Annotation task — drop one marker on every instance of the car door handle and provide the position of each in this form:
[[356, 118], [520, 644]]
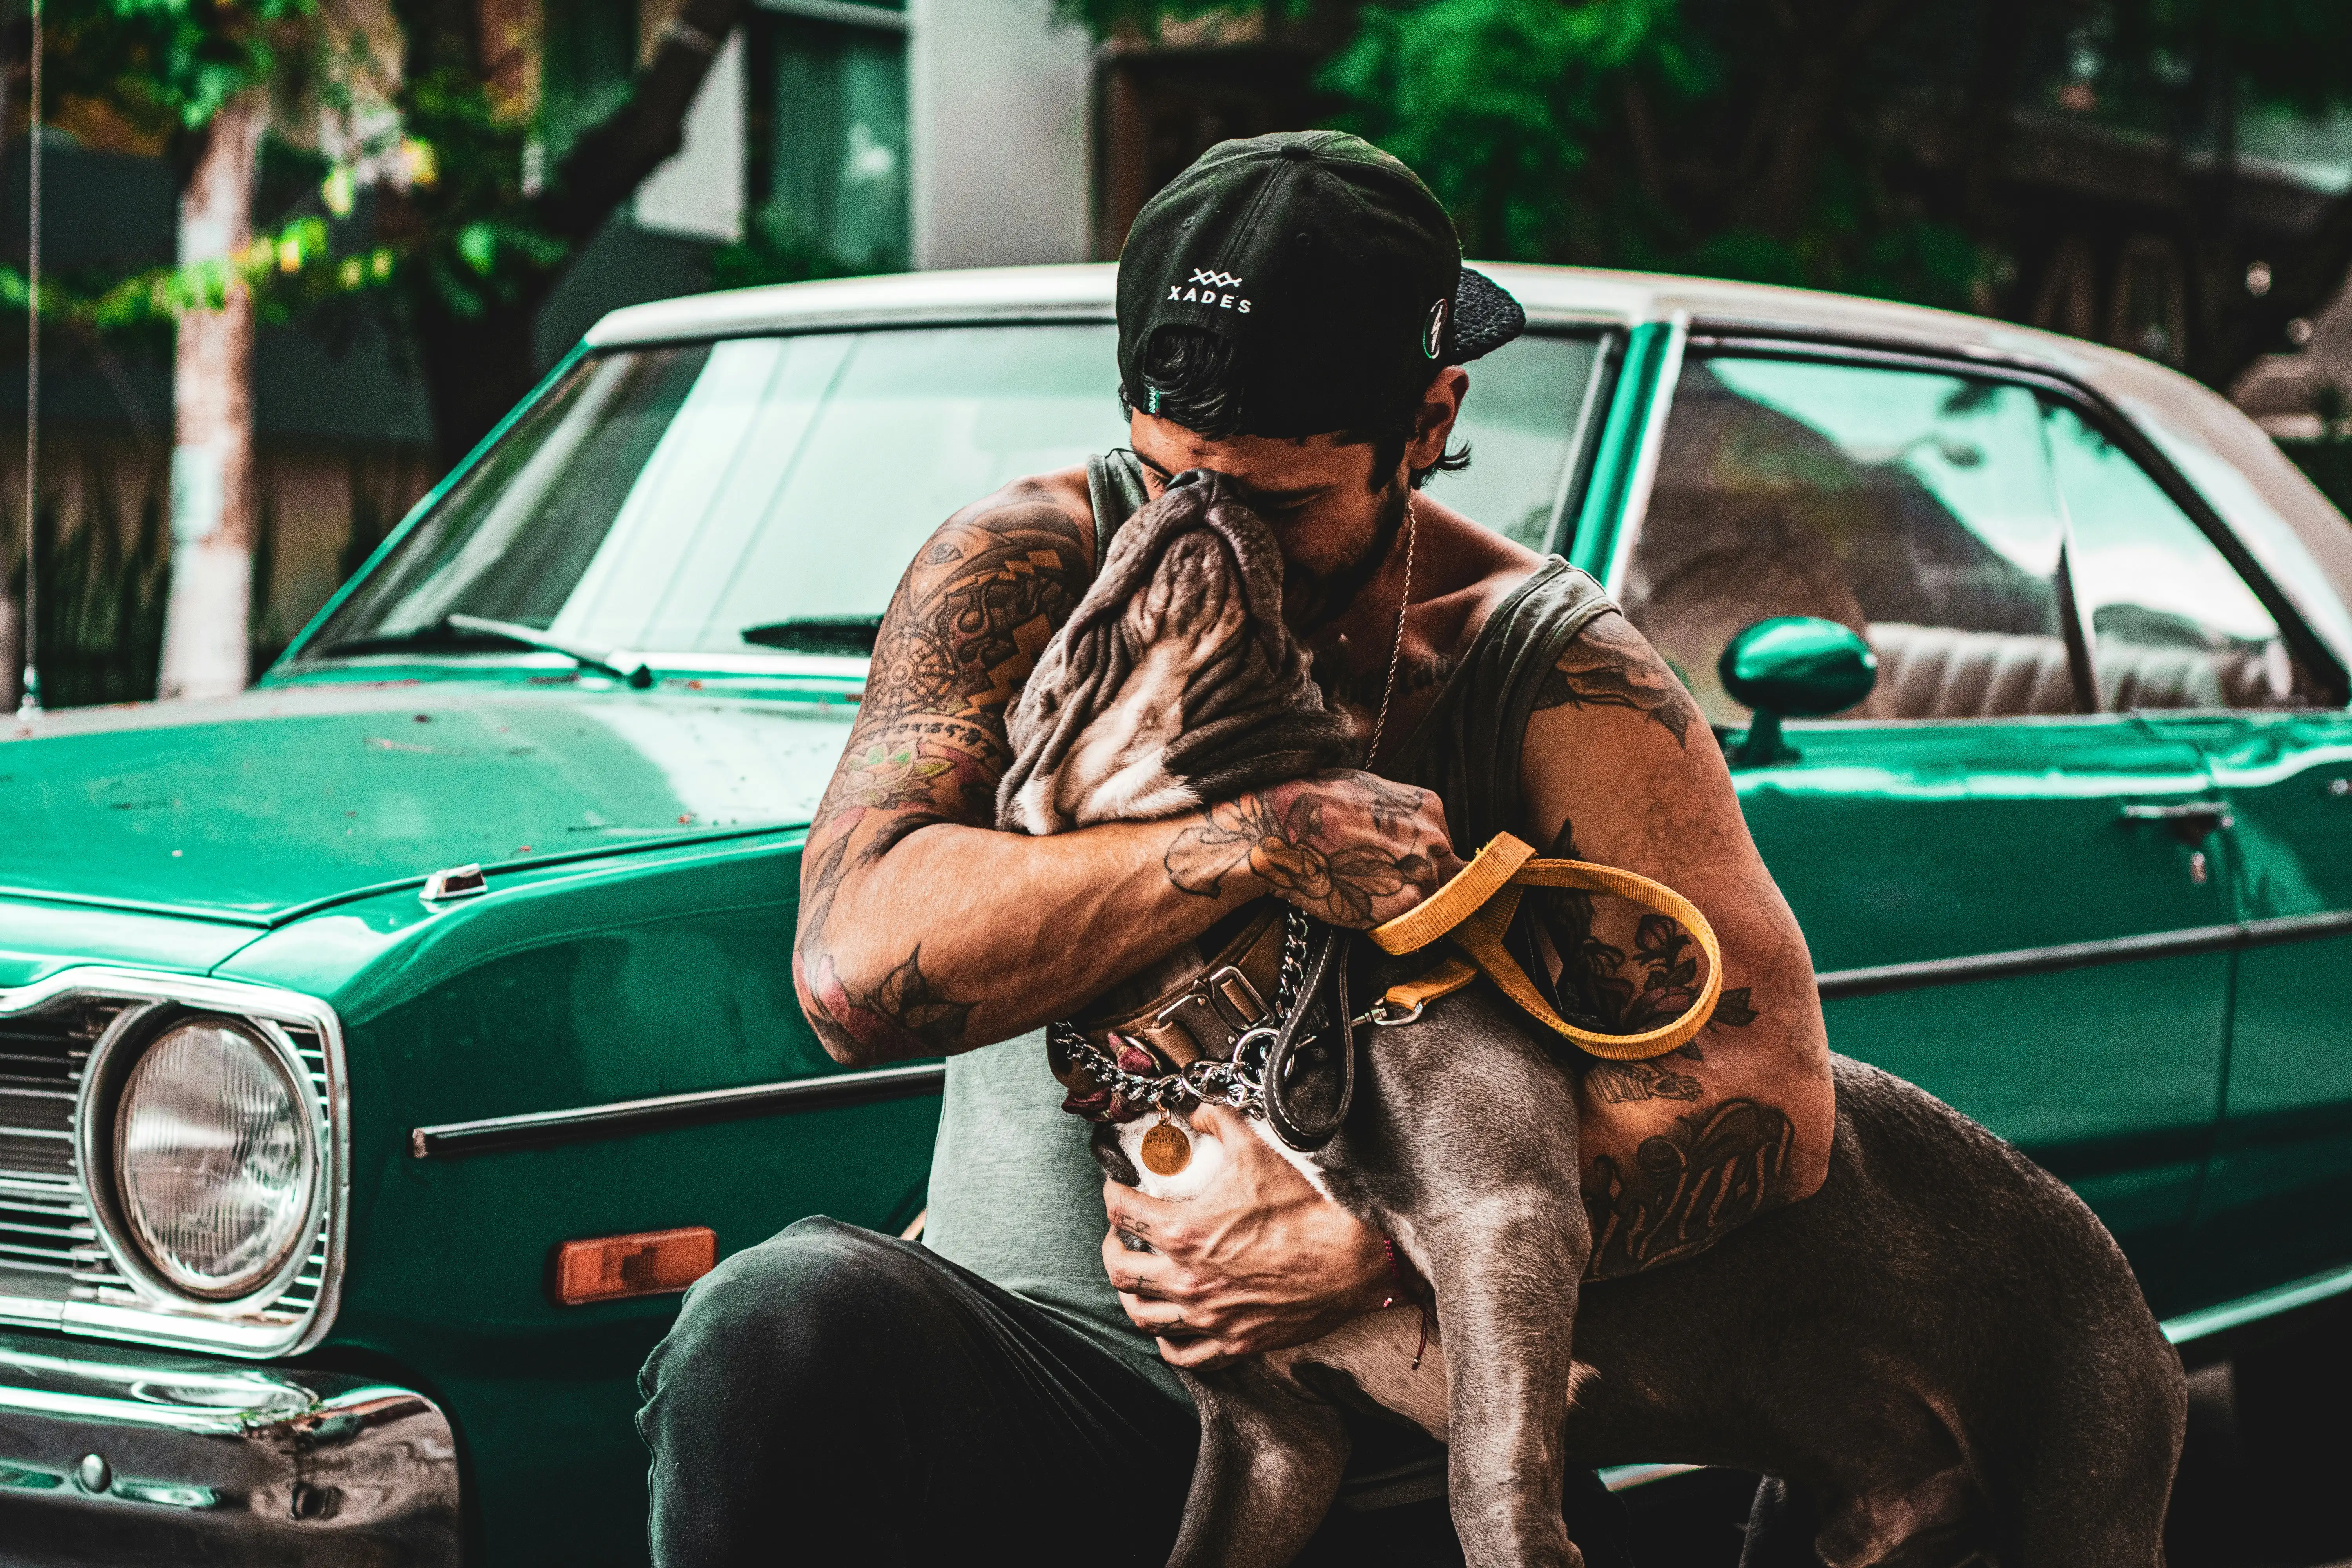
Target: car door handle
[[2192, 822]]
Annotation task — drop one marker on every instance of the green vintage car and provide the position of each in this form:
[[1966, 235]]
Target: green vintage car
[[381, 1050]]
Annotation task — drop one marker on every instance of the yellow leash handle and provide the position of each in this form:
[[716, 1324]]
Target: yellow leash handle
[[1475, 908]]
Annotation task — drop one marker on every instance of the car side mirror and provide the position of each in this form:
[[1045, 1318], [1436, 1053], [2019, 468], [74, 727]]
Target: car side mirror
[[1792, 667]]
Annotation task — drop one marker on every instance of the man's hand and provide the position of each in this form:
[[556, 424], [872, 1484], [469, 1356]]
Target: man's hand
[[1348, 847], [1258, 1261]]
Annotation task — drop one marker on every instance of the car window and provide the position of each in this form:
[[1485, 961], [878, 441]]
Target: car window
[[2172, 623], [668, 498], [1521, 411], [1917, 507]]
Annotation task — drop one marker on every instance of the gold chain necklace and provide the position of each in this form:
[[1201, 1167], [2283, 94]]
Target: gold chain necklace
[[1396, 647]]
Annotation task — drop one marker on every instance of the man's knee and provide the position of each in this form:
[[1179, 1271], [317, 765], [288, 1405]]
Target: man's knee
[[776, 1318]]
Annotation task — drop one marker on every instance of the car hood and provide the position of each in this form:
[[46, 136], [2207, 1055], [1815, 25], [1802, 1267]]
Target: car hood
[[250, 808]]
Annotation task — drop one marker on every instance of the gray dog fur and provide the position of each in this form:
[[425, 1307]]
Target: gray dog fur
[[1940, 1358]]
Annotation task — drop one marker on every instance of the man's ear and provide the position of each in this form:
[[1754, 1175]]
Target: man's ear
[[1441, 405]]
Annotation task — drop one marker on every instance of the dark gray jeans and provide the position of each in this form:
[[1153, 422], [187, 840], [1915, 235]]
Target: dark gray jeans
[[833, 1395]]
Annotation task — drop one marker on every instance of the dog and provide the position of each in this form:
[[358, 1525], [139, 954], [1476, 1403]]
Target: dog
[[1940, 1358]]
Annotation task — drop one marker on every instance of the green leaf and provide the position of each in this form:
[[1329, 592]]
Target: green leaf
[[477, 246]]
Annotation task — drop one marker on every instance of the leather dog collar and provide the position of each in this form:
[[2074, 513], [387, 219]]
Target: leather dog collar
[[1203, 1017]]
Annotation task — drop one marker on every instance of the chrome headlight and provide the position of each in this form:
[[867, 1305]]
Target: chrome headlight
[[215, 1158]]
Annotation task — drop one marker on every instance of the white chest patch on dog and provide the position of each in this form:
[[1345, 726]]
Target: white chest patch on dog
[[1207, 1163]]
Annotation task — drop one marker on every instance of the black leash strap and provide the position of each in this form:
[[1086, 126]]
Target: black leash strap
[[1325, 961]]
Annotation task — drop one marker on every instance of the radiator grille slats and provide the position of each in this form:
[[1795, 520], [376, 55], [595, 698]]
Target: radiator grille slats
[[40, 1194]]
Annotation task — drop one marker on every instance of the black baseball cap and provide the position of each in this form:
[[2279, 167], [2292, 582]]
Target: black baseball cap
[[1330, 268]]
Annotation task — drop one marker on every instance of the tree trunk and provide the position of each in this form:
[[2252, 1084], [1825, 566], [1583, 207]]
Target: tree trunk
[[1777, 200], [205, 617]]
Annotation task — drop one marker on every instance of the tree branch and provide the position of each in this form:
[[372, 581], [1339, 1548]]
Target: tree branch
[[607, 165]]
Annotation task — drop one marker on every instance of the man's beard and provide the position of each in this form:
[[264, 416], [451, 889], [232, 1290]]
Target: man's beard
[[1313, 600]]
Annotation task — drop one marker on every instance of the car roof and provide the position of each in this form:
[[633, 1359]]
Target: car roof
[[2182, 414], [1552, 295]]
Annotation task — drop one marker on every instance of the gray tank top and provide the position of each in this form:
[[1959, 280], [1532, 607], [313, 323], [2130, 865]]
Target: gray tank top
[[1015, 1196]]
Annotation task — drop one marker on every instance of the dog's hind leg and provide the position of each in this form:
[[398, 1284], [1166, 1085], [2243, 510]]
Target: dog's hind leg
[[1270, 1462], [1782, 1527], [2086, 1480]]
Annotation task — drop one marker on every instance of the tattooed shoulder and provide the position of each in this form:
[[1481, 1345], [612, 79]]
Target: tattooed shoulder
[[1610, 664], [971, 613]]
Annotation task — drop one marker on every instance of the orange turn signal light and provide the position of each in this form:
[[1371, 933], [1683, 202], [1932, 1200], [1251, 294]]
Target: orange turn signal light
[[647, 1263]]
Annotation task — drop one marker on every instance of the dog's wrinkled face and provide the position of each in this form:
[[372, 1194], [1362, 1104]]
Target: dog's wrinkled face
[[1184, 623], [1176, 681]]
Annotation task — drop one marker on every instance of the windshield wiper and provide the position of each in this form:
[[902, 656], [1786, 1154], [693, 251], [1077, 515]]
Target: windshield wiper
[[454, 629], [817, 634]]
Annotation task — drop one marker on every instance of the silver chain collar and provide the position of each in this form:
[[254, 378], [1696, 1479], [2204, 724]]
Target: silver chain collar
[[1238, 1084]]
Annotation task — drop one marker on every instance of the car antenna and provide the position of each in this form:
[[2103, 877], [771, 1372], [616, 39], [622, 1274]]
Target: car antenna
[[30, 702]]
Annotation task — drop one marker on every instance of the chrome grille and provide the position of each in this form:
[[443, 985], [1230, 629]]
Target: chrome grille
[[44, 1220], [54, 1269]]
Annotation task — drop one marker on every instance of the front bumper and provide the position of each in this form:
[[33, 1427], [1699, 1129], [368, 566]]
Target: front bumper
[[123, 1457]]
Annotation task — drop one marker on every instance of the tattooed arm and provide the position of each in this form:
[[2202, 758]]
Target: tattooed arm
[[1621, 769], [924, 932]]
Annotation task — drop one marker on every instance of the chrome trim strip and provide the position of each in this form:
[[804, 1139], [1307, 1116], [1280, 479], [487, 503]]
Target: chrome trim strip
[[2190, 1327], [1583, 442], [627, 1117], [189, 1326], [852, 16], [1872, 981], [1646, 458], [1625, 1478]]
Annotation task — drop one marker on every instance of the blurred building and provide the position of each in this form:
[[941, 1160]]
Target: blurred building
[[831, 137]]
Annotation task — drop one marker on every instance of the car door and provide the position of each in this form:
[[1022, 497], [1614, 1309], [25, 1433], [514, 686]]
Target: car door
[[1978, 855], [2201, 650]]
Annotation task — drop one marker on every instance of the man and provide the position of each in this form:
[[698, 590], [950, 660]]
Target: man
[[1293, 312]]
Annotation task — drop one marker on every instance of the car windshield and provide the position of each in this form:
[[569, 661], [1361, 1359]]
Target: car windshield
[[764, 494]]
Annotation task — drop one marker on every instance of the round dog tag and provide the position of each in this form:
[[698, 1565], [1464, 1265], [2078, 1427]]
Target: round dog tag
[[1166, 1149]]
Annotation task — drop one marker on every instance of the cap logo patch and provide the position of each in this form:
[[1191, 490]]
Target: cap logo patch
[[1210, 286], [1432, 337]]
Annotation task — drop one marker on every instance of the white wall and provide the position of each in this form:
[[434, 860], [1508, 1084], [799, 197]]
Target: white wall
[[997, 104], [698, 193]]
